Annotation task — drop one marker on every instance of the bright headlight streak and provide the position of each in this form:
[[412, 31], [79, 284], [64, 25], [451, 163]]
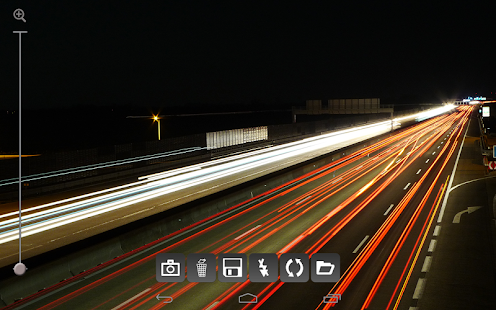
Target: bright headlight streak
[[314, 146], [275, 148], [113, 195], [265, 157], [428, 114], [98, 166], [71, 199], [40, 227], [170, 174], [70, 207]]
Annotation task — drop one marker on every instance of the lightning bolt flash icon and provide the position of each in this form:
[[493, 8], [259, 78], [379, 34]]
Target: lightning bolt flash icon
[[263, 268]]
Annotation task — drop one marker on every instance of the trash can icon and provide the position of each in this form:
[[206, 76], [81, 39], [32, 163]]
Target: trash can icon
[[201, 268]]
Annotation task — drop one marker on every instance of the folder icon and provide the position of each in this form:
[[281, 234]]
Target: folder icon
[[324, 268]]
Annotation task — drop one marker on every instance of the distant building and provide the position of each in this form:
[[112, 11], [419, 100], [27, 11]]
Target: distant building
[[343, 106]]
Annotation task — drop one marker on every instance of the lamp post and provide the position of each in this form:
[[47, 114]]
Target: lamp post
[[155, 118]]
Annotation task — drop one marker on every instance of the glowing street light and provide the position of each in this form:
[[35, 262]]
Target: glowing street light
[[155, 118]]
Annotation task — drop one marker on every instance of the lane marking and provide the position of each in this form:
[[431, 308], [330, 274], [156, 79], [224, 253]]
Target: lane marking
[[289, 246], [438, 146], [389, 209], [284, 208], [436, 231], [249, 231], [212, 305], [419, 171], [358, 168], [458, 216], [427, 160], [336, 180], [433, 153], [159, 245], [427, 264], [360, 245], [474, 180], [419, 289], [404, 188], [445, 200], [131, 299], [303, 200], [432, 246]]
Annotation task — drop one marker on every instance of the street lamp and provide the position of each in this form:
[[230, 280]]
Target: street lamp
[[155, 118]]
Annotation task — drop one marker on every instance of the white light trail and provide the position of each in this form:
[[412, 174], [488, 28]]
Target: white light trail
[[42, 218]]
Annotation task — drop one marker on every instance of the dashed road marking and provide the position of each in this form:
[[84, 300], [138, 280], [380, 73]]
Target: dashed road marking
[[303, 200], [419, 171], [404, 188], [246, 233], [131, 299], [213, 305], [436, 231], [432, 246], [419, 289], [427, 264], [389, 209], [360, 245]]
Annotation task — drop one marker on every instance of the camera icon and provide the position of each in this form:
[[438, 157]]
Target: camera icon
[[170, 268]]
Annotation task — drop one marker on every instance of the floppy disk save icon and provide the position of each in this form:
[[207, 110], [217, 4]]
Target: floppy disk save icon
[[323, 268]]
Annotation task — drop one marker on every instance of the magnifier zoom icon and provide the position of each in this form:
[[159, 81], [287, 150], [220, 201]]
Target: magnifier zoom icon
[[19, 15]]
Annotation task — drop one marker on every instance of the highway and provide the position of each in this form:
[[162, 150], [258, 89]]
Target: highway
[[376, 208], [76, 217]]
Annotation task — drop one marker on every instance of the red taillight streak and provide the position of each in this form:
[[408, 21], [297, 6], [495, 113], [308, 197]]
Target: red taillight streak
[[354, 270], [416, 256], [426, 230], [293, 242], [290, 213], [326, 218], [344, 281], [152, 293], [264, 299], [273, 231], [124, 292], [319, 244], [232, 291], [420, 247], [361, 259], [370, 149], [397, 247], [345, 176]]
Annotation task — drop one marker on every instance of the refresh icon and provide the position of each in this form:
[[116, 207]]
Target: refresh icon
[[294, 267], [299, 263]]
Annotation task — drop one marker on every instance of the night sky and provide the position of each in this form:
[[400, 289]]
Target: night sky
[[167, 53]]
